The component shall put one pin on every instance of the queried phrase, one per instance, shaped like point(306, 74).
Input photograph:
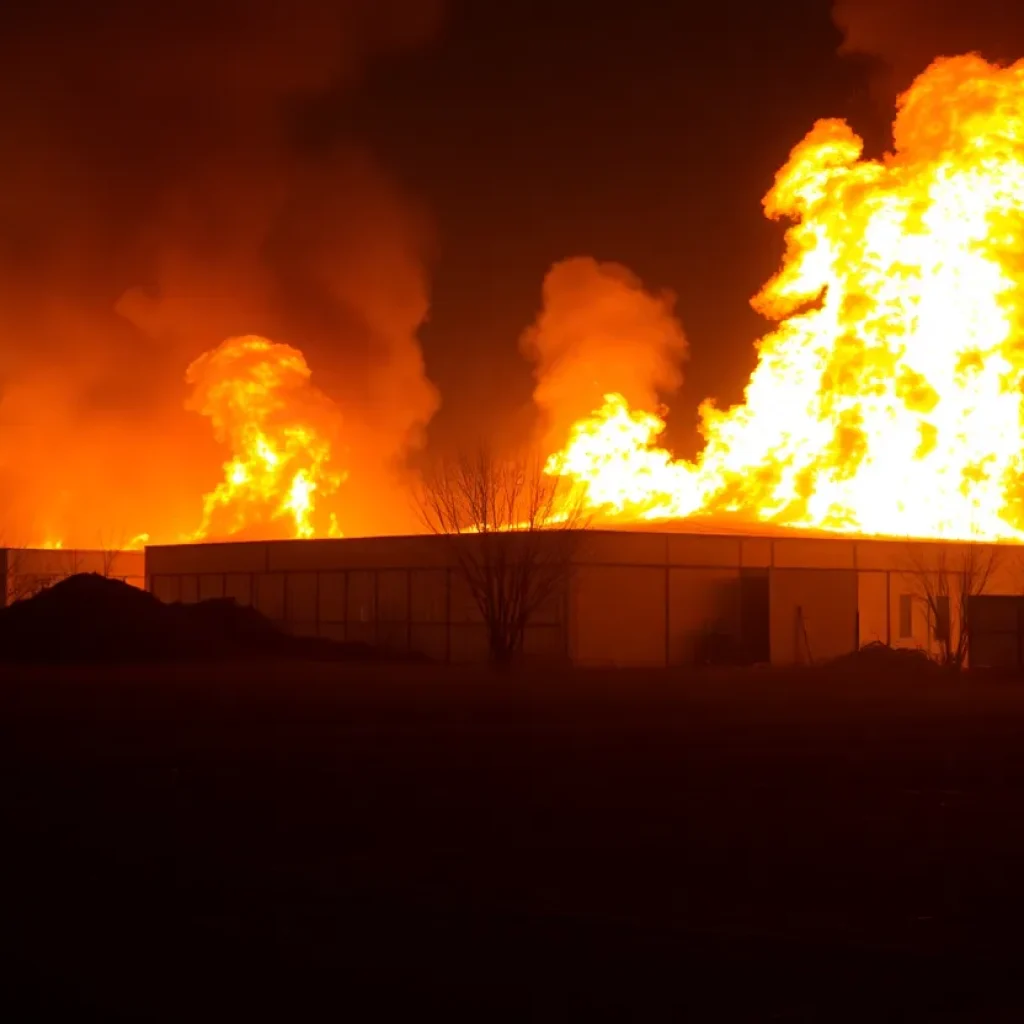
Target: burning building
point(632, 598)
point(870, 486)
point(877, 450)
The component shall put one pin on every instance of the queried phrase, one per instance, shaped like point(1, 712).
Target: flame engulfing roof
point(888, 398)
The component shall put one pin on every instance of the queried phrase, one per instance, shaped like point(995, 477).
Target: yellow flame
point(888, 399)
point(258, 395)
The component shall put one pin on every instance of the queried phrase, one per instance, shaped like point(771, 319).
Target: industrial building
point(26, 571)
point(654, 597)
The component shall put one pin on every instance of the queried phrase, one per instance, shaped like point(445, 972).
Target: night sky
point(352, 176)
point(631, 133)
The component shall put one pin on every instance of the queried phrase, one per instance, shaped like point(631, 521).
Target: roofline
point(711, 529)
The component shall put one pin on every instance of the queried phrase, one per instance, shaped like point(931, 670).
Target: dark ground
point(332, 843)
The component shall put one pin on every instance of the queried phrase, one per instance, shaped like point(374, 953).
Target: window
point(906, 616)
point(941, 625)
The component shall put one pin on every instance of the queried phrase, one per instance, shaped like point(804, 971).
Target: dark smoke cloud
point(166, 184)
point(904, 36)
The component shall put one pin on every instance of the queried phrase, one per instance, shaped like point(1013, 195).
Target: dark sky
point(331, 173)
point(645, 133)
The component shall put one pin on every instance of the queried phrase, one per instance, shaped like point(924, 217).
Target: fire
point(280, 430)
point(612, 454)
point(888, 397)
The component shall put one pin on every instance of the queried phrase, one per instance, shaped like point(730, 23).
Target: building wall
point(634, 598)
point(396, 592)
point(26, 571)
point(618, 615)
point(873, 604)
point(813, 615)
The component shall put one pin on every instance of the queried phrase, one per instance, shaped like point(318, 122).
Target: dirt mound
point(878, 658)
point(89, 618)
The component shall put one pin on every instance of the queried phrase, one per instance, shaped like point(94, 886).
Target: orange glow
point(280, 430)
point(888, 397)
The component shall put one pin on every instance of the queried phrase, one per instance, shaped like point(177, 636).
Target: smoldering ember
point(512, 512)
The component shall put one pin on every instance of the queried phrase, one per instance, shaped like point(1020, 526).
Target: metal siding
point(270, 596)
point(701, 601)
point(238, 586)
point(358, 553)
point(301, 597)
point(166, 588)
point(618, 615)
point(332, 597)
point(429, 596)
point(813, 614)
point(189, 588)
point(393, 595)
point(710, 552)
point(462, 605)
point(756, 553)
point(872, 608)
point(881, 555)
point(813, 553)
point(211, 585)
point(622, 548)
point(361, 604)
point(196, 558)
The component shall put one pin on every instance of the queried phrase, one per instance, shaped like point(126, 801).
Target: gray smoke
point(905, 36)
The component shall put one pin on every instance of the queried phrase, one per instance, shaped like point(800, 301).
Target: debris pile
point(880, 659)
point(89, 618)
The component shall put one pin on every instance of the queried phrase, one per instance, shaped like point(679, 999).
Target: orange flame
point(888, 399)
point(280, 429)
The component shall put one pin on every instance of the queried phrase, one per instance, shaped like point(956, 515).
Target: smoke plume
point(600, 331)
point(905, 36)
point(175, 175)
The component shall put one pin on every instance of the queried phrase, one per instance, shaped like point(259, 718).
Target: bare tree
point(512, 533)
point(72, 564)
point(945, 577)
point(24, 576)
point(111, 547)
point(17, 584)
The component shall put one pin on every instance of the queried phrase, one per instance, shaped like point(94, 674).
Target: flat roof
point(697, 527)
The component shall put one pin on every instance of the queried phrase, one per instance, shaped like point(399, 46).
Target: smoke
point(905, 36)
point(175, 175)
point(600, 331)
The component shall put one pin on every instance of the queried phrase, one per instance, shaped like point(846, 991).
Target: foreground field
point(315, 843)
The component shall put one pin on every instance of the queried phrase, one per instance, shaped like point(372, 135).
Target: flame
point(888, 398)
point(280, 428)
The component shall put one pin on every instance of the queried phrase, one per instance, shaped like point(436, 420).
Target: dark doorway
point(754, 615)
point(995, 632)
